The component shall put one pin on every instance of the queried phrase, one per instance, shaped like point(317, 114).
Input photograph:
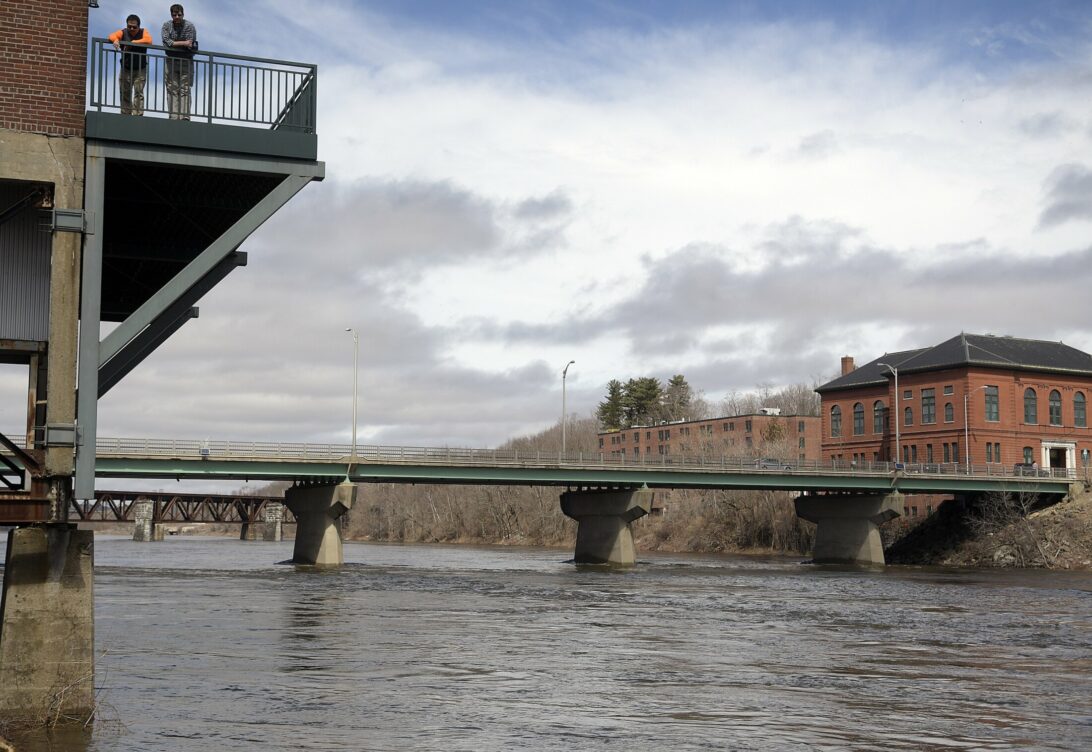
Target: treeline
point(647, 401)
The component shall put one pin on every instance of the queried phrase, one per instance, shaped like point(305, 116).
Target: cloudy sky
point(738, 191)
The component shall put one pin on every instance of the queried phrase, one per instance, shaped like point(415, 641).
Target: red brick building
point(980, 398)
point(762, 434)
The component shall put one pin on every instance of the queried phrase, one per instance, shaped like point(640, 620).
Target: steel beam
point(206, 160)
point(87, 387)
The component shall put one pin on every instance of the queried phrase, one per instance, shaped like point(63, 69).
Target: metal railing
point(227, 89)
point(294, 451)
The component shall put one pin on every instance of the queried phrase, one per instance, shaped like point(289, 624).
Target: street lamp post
point(564, 414)
point(356, 371)
point(895, 411)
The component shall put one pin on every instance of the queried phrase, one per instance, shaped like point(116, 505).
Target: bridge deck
point(152, 458)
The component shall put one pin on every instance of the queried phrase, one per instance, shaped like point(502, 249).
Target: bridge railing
point(343, 453)
point(226, 88)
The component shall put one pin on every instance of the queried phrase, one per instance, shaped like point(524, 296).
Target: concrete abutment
point(317, 510)
point(47, 627)
point(603, 534)
point(846, 526)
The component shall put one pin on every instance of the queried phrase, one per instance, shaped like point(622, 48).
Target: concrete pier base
point(147, 529)
point(47, 625)
point(317, 509)
point(603, 534)
point(270, 529)
point(846, 529)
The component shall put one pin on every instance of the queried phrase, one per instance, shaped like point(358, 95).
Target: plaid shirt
point(172, 34)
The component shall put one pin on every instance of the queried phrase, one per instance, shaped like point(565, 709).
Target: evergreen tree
point(610, 410)
point(676, 398)
point(641, 400)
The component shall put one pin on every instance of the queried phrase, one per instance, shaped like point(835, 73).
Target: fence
point(225, 88)
point(274, 451)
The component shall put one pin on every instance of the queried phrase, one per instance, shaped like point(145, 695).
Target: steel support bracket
point(70, 220)
point(60, 435)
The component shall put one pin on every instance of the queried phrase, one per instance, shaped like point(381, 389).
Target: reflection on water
point(207, 644)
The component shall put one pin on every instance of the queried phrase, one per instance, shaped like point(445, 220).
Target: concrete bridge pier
point(47, 625)
point(270, 529)
point(603, 534)
point(846, 529)
point(147, 529)
point(317, 509)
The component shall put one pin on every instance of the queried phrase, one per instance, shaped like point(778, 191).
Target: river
point(208, 644)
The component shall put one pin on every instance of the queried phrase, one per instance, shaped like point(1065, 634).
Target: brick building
point(762, 434)
point(977, 398)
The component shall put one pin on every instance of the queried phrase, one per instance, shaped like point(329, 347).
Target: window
point(636, 436)
point(732, 426)
point(907, 394)
point(1055, 408)
point(949, 389)
point(997, 452)
point(749, 442)
point(600, 442)
point(928, 406)
point(661, 448)
point(877, 416)
point(928, 452)
point(949, 412)
point(913, 452)
point(836, 421)
point(993, 452)
point(747, 427)
point(908, 416)
point(801, 442)
point(947, 452)
point(724, 427)
point(858, 419)
point(1080, 418)
point(648, 435)
point(1028, 454)
point(955, 451)
point(800, 427)
point(989, 451)
point(1031, 406)
point(993, 410)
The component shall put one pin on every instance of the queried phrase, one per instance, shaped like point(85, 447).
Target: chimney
point(847, 364)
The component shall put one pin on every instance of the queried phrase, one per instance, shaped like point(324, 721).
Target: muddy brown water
point(209, 644)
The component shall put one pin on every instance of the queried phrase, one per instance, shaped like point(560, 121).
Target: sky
point(741, 192)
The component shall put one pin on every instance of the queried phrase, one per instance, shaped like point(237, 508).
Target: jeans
point(179, 79)
point(131, 82)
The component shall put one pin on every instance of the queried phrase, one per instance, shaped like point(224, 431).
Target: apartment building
point(766, 433)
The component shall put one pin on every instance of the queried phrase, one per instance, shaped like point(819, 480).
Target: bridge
point(604, 492)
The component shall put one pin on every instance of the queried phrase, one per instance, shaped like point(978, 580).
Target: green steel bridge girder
point(371, 472)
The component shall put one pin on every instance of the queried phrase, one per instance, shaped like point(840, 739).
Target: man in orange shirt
point(133, 72)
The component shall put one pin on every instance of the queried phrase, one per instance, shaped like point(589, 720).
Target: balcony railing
point(226, 89)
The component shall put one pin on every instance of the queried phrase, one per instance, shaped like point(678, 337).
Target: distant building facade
point(766, 433)
point(984, 399)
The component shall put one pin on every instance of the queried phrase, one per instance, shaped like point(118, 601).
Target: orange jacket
point(117, 35)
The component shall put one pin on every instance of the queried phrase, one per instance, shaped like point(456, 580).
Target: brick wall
point(43, 66)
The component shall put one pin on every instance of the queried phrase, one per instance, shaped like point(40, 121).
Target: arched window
point(1031, 406)
point(1028, 455)
point(836, 421)
point(949, 412)
point(1055, 408)
point(908, 416)
point(877, 416)
point(1080, 417)
point(858, 419)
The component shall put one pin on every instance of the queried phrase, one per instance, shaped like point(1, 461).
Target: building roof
point(966, 350)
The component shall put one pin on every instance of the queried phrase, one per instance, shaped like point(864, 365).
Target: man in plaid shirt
point(180, 39)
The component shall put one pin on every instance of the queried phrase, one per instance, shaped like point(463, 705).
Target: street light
point(967, 424)
point(564, 420)
point(895, 411)
point(356, 370)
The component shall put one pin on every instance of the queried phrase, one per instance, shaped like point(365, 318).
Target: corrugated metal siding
point(24, 270)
